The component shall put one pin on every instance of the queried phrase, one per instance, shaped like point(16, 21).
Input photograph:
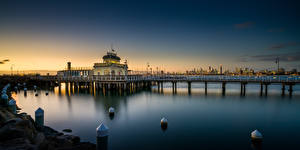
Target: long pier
point(134, 82)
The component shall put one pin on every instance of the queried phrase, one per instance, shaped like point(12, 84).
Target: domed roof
point(111, 55)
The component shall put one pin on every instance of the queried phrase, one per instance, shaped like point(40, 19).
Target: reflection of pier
point(134, 82)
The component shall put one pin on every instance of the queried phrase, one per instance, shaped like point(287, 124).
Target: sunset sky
point(171, 34)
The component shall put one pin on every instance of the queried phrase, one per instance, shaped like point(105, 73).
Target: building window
point(113, 72)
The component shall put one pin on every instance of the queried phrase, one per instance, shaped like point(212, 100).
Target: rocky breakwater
point(19, 131)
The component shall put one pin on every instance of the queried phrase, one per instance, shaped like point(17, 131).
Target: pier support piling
point(266, 89)
point(283, 90)
point(261, 89)
point(290, 89)
point(189, 87)
point(205, 87)
point(223, 88)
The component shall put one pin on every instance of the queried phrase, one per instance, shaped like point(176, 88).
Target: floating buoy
point(111, 111)
point(256, 135)
point(164, 123)
point(102, 130)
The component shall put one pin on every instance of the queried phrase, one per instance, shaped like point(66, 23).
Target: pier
point(134, 82)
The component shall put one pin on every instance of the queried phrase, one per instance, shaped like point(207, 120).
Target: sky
point(173, 35)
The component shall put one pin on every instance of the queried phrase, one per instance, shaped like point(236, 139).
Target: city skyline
point(171, 35)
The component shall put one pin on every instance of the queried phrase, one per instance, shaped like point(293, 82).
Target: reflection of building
point(111, 66)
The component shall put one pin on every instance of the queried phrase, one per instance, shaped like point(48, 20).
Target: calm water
point(196, 121)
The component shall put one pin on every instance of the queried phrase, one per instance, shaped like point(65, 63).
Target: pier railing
point(210, 78)
point(94, 78)
point(171, 78)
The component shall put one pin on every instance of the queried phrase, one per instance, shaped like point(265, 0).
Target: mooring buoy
point(164, 123)
point(111, 111)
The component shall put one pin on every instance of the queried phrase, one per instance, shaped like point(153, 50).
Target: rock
point(40, 137)
point(9, 133)
point(17, 144)
point(67, 130)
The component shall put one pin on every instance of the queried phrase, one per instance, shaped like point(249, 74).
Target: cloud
point(282, 45)
point(276, 30)
point(244, 25)
point(4, 61)
point(287, 57)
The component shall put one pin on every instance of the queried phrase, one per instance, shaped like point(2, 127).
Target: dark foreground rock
point(18, 132)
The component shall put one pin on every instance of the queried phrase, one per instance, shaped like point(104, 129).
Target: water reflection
point(197, 121)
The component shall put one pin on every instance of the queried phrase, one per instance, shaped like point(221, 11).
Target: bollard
point(4, 98)
point(39, 117)
point(12, 106)
point(3, 91)
point(256, 136)
point(102, 137)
